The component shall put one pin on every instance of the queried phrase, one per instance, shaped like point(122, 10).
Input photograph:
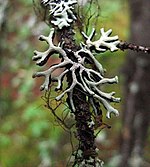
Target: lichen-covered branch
point(87, 79)
point(82, 72)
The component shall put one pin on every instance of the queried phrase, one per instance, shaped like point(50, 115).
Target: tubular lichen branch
point(88, 79)
point(104, 43)
point(61, 12)
point(42, 57)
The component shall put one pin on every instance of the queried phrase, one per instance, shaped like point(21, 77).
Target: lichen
point(62, 12)
point(88, 79)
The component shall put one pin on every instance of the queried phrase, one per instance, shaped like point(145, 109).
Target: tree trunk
point(137, 89)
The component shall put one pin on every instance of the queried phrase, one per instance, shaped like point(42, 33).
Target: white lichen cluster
point(62, 12)
point(98, 163)
point(86, 162)
point(89, 80)
point(104, 41)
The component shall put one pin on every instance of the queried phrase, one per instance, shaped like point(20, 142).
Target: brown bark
point(137, 88)
point(85, 133)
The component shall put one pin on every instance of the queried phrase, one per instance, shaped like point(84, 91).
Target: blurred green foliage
point(29, 135)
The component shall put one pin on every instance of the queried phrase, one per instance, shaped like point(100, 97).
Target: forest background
point(29, 135)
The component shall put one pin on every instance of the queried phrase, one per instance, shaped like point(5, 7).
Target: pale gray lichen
point(104, 41)
point(86, 162)
point(89, 80)
point(61, 12)
point(97, 162)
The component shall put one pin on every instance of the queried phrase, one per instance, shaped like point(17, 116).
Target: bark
point(137, 90)
point(85, 133)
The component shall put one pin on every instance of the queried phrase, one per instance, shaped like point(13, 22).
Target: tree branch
point(124, 46)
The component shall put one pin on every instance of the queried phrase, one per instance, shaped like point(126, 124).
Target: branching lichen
point(61, 12)
point(84, 76)
point(82, 72)
point(104, 43)
point(88, 79)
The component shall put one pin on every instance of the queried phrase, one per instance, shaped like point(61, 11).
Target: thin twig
point(124, 46)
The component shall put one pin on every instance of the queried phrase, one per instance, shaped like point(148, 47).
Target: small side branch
point(124, 45)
